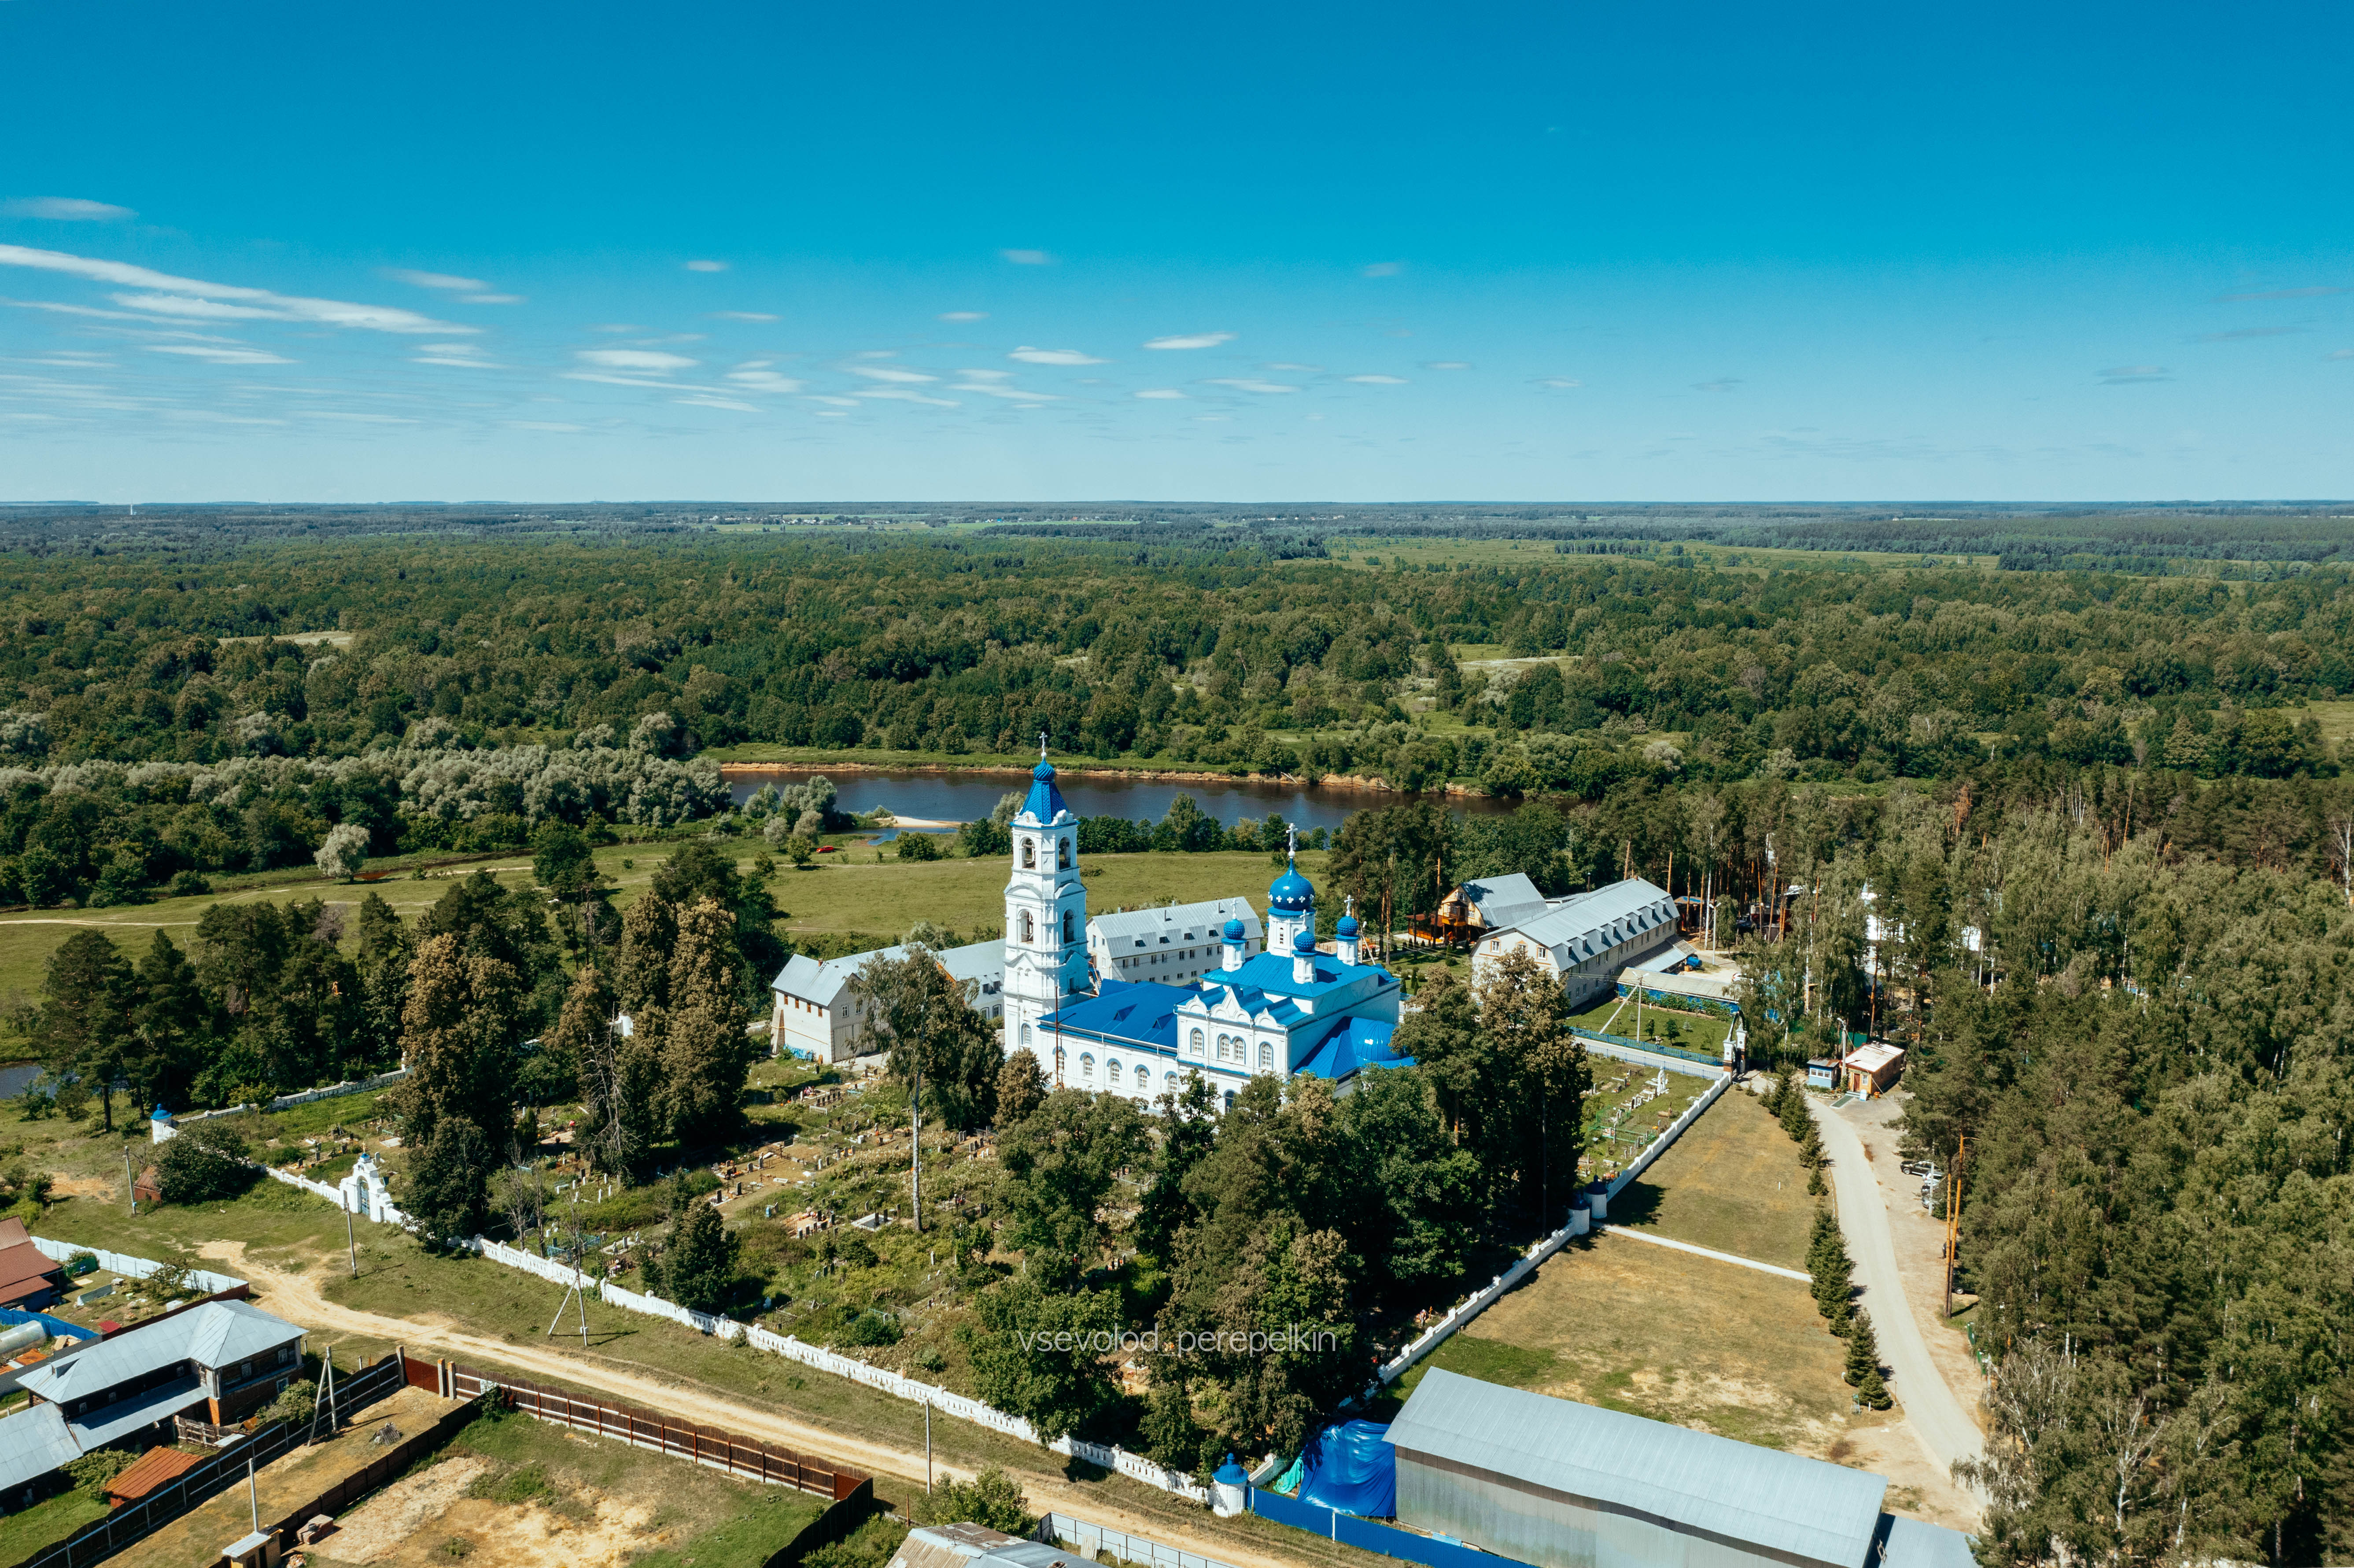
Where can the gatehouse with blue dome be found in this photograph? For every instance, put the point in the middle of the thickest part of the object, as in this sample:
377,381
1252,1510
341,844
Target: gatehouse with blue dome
1293,1009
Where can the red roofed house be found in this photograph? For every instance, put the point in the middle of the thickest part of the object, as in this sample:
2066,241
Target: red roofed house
29,1278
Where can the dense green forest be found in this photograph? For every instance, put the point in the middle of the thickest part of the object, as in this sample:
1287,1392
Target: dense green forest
158,719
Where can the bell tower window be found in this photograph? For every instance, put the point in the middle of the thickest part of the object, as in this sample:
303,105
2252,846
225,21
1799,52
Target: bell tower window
1029,854
1069,927
1029,932
1063,855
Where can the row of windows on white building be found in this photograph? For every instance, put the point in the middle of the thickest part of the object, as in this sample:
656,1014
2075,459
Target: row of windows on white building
1232,1049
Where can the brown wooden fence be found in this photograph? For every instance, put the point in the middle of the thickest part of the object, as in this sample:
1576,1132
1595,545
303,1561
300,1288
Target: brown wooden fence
745,1457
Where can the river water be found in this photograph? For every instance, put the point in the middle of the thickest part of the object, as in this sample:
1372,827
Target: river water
965,796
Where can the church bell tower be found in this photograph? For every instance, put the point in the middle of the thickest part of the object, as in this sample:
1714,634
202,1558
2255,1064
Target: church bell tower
1046,916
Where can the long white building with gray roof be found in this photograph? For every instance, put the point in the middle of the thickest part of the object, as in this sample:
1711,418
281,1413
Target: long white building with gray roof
1585,939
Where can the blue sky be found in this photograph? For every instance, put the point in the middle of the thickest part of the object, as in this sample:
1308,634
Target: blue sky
1216,252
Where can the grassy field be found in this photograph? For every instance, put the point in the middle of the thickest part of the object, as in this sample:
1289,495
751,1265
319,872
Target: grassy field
1732,1182
860,889
1670,1336
1687,1031
46,1522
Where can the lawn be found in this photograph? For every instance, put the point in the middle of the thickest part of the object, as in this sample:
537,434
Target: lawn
46,1522
1667,1335
1731,1182
1692,1031
860,889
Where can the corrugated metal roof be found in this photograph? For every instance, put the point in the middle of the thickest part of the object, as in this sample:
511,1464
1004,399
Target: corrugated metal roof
125,1416
1505,900
151,1470
1603,917
1179,922
212,1335
1914,1544
823,983
1819,1510
33,1442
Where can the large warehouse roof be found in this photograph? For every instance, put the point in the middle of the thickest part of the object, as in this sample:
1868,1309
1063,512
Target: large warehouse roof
1779,1501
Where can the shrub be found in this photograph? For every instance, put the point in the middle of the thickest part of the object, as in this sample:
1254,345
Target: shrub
299,1402
94,1469
204,1161
990,1499
918,846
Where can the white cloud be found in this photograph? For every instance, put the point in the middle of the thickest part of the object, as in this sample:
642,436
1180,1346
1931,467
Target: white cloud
964,315
1249,384
1447,364
356,419
449,282
1160,392
719,402
706,266
899,394
614,327
1286,364
198,310
632,359
1192,340
1030,356
1376,380
213,356
742,316
67,209
837,402
451,359
492,299
763,381
1383,269
986,375
1558,383
889,373
543,425
2340,354
332,312
999,389
1028,257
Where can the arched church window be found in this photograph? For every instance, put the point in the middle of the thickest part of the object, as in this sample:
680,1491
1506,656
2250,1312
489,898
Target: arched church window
1063,856
1266,1058
1195,1042
1025,1035
1029,854
1088,1067
1029,930
1111,1071
1069,930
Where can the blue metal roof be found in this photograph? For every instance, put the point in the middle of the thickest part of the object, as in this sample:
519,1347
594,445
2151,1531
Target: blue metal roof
1271,972
1142,1013
1351,1045
1045,802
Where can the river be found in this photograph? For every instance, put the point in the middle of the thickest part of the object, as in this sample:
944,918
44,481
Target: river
961,796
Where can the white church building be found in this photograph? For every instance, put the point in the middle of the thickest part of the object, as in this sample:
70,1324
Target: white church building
1131,1001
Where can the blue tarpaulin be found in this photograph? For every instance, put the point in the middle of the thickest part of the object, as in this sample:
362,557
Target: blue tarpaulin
1352,1469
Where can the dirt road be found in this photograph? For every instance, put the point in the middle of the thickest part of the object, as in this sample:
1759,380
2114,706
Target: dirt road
296,1298
1937,1419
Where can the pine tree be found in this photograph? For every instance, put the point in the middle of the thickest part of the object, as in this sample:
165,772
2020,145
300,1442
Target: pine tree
458,1034
1815,1187
697,1267
1810,1146
1872,1392
1862,1347
705,1052
1834,1274
83,1025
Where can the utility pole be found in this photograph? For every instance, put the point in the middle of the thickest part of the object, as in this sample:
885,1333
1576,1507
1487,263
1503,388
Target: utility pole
928,1448
252,1494
129,1185
1954,1217
352,1241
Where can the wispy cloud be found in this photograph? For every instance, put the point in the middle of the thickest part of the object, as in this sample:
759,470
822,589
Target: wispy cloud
1383,269
642,359
550,425
2239,333
1286,364
1558,383
2312,293
1028,257
901,394
1447,364
1249,384
2340,354
67,209
995,388
1160,392
213,354
890,373
1030,356
2124,375
447,282
1376,380
1721,384
838,402
706,266
742,316
729,403
964,315
465,355
284,307
1192,340
764,381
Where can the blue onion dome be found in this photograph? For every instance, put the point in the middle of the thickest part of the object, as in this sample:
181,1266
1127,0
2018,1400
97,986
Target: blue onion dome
1304,943
1347,928
1230,1474
1291,891
1044,772
1234,932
